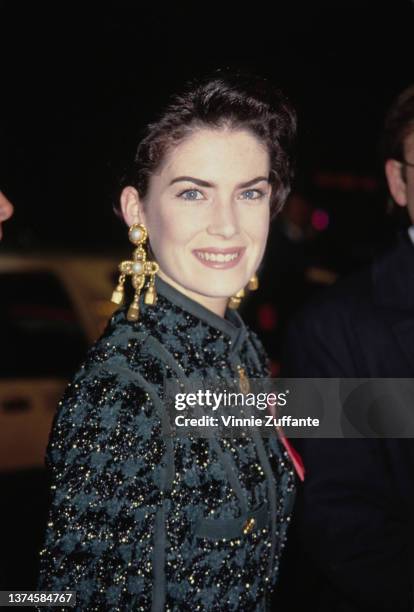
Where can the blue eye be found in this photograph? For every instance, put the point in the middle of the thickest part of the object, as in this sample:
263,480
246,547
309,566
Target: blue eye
252,194
191,194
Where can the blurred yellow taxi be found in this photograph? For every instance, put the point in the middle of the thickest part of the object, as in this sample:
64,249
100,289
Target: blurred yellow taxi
51,309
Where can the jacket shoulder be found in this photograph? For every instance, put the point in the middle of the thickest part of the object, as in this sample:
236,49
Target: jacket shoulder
117,389
320,340
361,294
125,347
349,297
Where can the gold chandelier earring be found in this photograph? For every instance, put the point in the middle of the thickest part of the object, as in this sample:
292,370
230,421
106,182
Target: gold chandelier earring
138,268
235,300
253,283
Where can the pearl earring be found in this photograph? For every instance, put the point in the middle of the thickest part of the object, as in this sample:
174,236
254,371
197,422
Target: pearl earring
137,268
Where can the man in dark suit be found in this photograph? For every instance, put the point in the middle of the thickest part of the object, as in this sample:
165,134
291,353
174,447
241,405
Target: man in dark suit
355,514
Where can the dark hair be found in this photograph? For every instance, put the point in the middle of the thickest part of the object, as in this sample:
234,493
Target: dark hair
399,123
234,101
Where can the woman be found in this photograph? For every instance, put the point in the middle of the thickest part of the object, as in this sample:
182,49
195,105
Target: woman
141,520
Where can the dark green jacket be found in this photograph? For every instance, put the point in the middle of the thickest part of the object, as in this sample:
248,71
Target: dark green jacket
143,520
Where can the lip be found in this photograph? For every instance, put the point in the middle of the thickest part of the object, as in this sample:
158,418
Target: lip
219,265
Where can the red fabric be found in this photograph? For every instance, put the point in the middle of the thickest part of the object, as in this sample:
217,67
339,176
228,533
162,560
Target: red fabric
295,458
293,454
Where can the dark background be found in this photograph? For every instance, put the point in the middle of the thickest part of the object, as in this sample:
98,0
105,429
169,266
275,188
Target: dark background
76,84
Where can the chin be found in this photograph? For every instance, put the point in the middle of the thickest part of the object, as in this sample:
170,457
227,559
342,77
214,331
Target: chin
222,290
211,284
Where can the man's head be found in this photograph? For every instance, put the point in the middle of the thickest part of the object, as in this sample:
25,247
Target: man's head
398,150
6,210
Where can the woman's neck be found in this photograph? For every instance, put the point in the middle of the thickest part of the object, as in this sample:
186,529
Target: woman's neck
218,305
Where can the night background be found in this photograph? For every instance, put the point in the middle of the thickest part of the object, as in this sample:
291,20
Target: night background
78,82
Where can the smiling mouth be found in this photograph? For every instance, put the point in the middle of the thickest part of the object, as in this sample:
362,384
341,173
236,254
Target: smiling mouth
219,258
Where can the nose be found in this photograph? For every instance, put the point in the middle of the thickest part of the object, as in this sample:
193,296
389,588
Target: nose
224,220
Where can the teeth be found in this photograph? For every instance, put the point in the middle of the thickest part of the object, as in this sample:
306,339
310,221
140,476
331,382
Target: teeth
219,257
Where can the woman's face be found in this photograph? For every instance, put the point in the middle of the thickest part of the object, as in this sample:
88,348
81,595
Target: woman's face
207,214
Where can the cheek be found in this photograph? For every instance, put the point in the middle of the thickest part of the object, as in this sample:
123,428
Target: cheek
265,231
170,228
259,231
259,228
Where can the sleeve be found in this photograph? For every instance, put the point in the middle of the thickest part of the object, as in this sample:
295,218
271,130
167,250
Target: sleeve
104,536
347,516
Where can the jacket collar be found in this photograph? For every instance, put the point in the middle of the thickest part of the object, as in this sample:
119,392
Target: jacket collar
231,325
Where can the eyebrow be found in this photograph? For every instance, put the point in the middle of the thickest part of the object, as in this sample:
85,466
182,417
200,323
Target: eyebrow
202,183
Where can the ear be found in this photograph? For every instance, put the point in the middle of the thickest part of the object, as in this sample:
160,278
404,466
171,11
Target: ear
131,206
396,183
